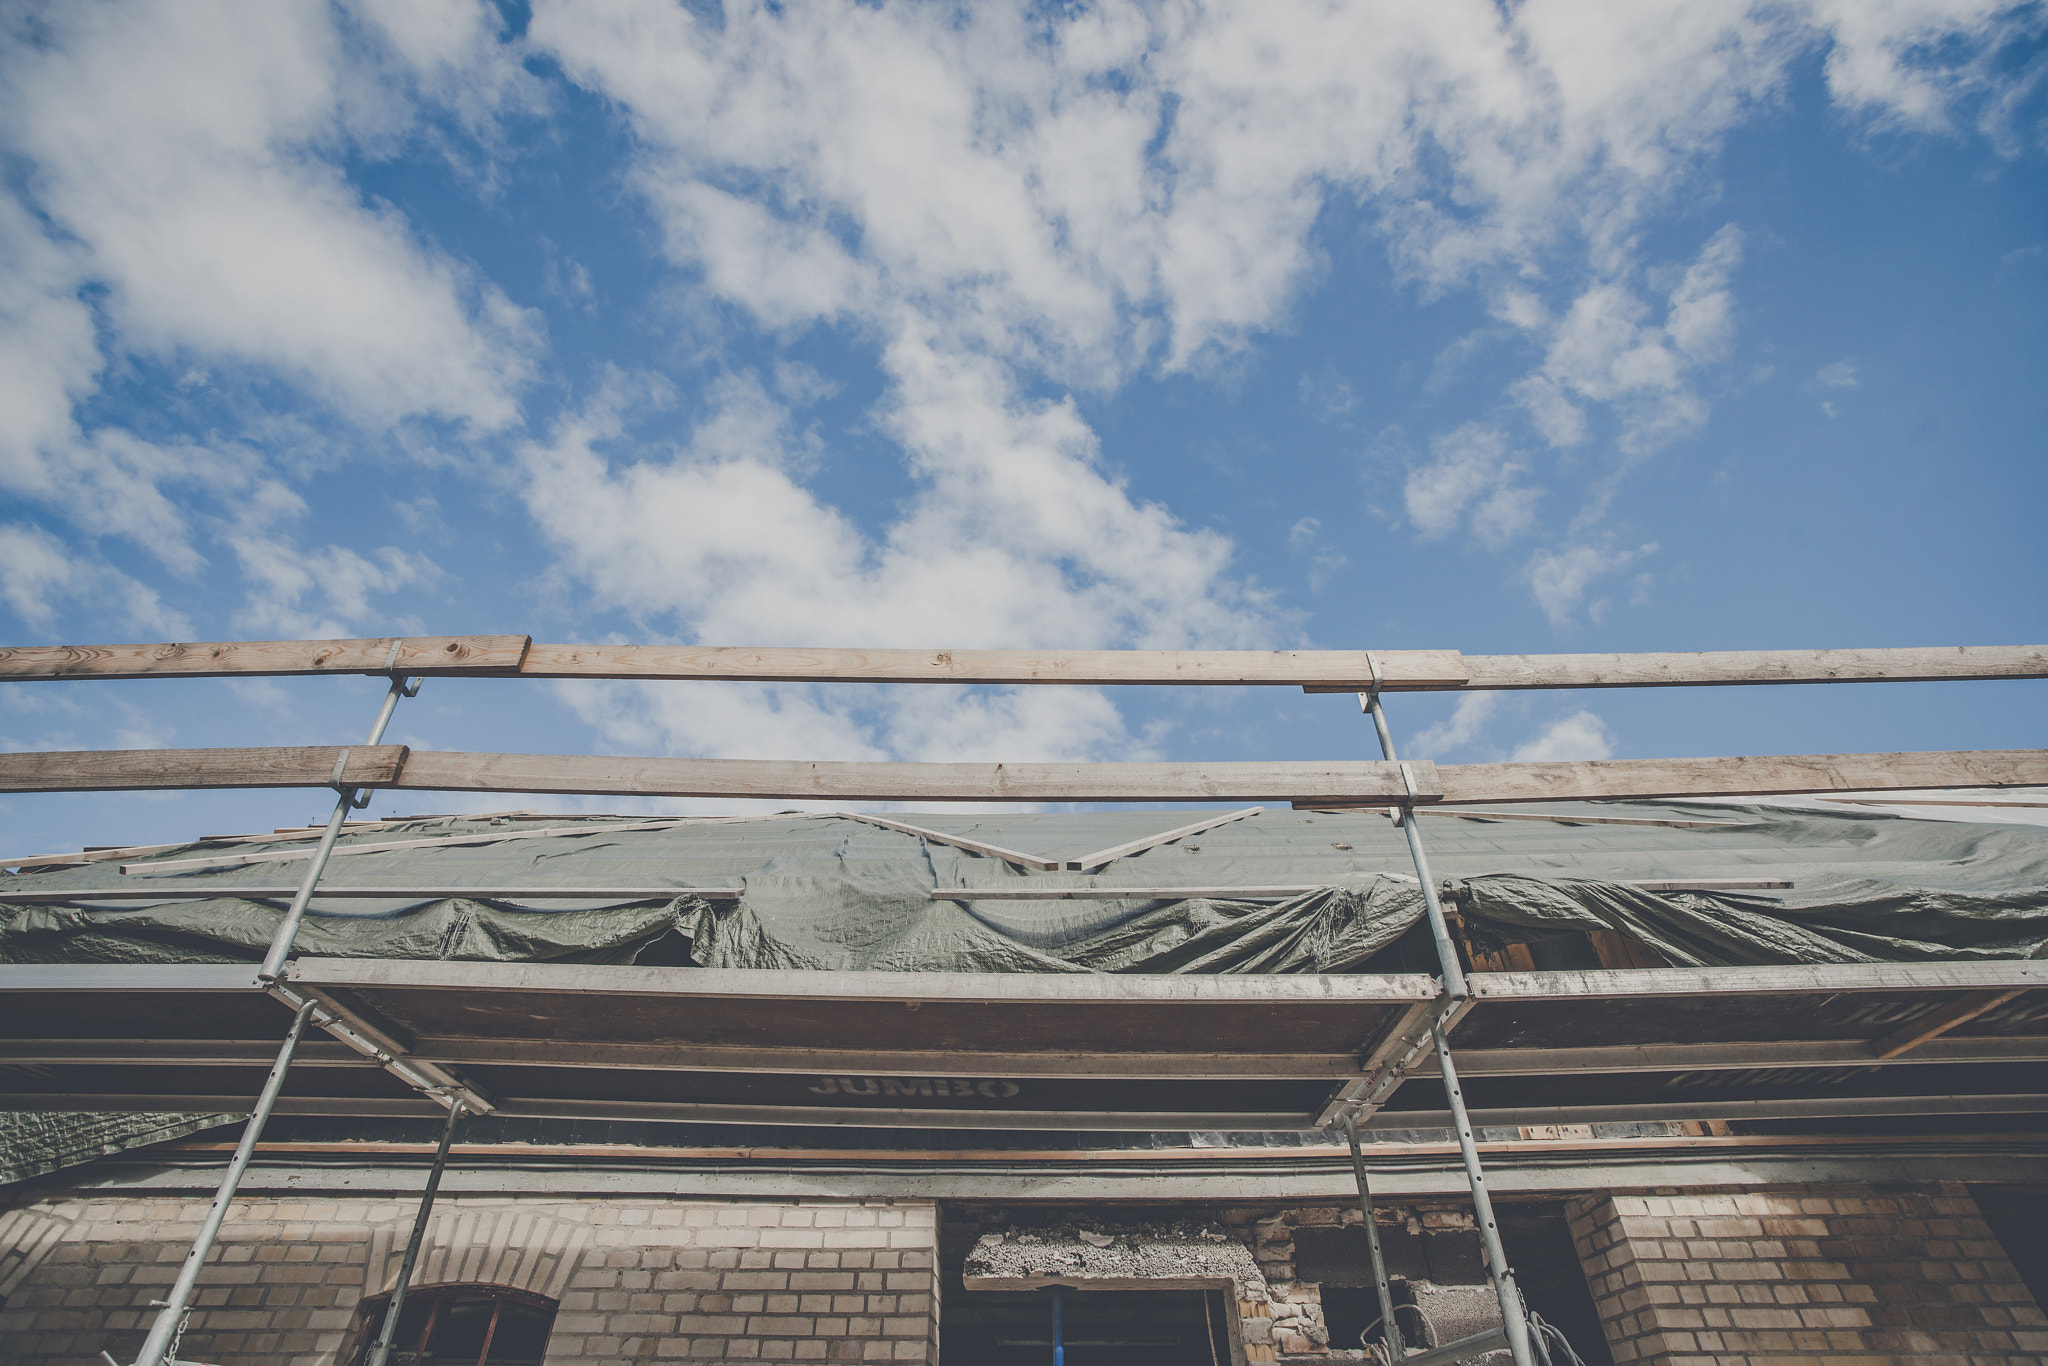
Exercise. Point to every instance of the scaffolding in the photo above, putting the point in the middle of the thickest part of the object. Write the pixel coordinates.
(407, 1038)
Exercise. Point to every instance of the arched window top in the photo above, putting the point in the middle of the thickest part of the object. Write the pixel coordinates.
(460, 1325)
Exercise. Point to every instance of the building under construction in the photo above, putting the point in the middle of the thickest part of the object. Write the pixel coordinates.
(1620, 1061)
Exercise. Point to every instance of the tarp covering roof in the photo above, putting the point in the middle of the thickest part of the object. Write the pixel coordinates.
(34, 1143)
(834, 893)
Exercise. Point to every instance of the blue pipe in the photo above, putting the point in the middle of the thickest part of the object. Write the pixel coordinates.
(1059, 1337)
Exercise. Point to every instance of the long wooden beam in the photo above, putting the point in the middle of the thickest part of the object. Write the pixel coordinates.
(163, 770)
(226, 891)
(268, 658)
(1313, 670)
(1338, 783)
(392, 766)
(1914, 664)
(1343, 669)
(1750, 776)
(1712, 668)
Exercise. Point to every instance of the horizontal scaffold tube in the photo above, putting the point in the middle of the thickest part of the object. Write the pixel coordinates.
(1315, 670)
(1329, 784)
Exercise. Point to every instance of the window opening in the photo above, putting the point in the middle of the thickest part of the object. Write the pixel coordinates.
(1100, 1327)
(461, 1325)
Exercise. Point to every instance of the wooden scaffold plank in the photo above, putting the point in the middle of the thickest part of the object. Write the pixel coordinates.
(1333, 784)
(414, 655)
(1752, 775)
(1229, 668)
(1916, 664)
(1313, 670)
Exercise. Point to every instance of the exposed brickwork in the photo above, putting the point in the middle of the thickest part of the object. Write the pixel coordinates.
(1824, 1276)
(1297, 1326)
(682, 1280)
(803, 1281)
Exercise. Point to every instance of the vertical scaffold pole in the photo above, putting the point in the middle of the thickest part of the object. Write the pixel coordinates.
(1392, 1335)
(389, 1332)
(166, 1326)
(1513, 1315)
(281, 943)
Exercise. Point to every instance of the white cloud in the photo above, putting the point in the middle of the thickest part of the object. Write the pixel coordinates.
(1305, 541)
(188, 153)
(39, 574)
(1466, 723)
(1470, 470)
(999, 200)
(1558, 579)
(1606, 349)
(1327, 395)
(997, 192)
(1918, 63)
(1013, 538)
(293, 591)
(180, 171)
(1839, 374)
(1582, 735)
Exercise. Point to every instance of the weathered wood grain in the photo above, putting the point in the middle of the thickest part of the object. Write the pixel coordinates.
(1313, 670)
(1354, 780)
(1335, 784)
(1756, 775)
(155, 770)
(115, 852)
(1960, 1011)
(418, 655)
(1913, 664)
(1138, 846)
(763, 664)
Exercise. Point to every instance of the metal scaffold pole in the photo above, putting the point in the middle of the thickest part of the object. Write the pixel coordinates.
(1513, 1314)
(385, 1336)
(281, 943)
(157, 1344)
(1390, 1326)
(166, 1327)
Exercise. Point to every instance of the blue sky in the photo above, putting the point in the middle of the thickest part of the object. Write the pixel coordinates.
(1520, 328)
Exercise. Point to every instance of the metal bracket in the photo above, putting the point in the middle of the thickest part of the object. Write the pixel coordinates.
(407, 687)
(356, 799)
(429, 1079)
(1393, 1062)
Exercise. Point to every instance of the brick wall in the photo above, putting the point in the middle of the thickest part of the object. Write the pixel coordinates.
(803, 1281)
(671, 1280)
(1822, 1276)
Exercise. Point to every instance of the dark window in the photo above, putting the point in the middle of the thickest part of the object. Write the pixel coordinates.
(1539, 1248)
(1098, 1327)
(2019, 1220)
(461, 1325)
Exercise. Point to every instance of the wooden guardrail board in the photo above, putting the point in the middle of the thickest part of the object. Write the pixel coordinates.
(1330, 784)
(1344, 668)
(1363, 780)
(267, 658)
(155, 770)
(1754, 775)
(1918, 664)
(1313, 670)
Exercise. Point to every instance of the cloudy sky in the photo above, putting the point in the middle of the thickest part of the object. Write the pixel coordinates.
(1563, 325)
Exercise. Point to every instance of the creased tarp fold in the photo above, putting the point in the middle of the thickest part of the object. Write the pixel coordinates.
(1859, 922)
(230, 930)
